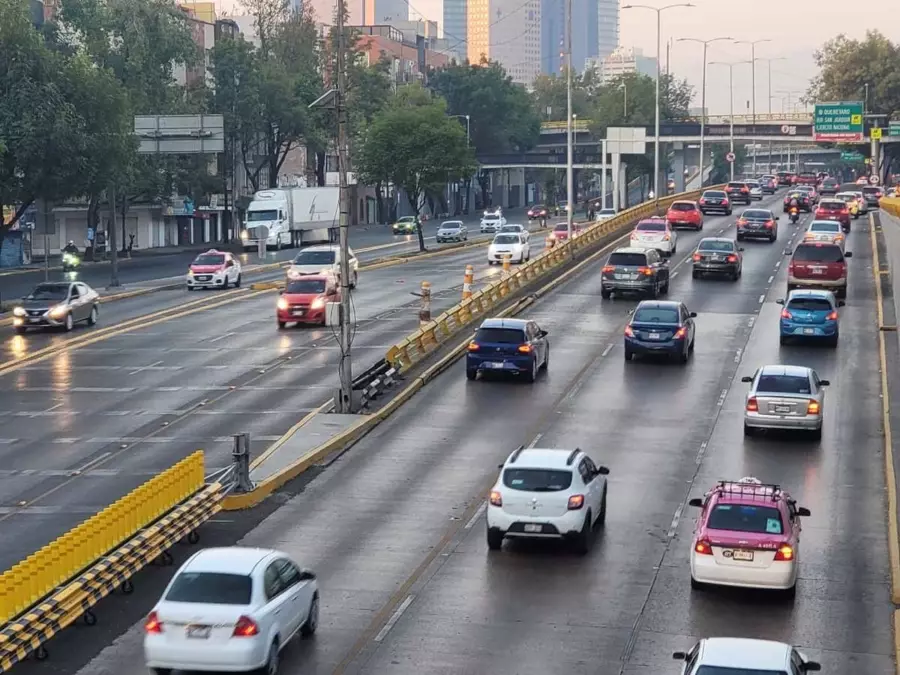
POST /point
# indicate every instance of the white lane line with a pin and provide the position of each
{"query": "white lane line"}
(778, 264)
(674, 526)
(607, 350)
(221, 337)
(478, 514)
(751, 322)
(93, 462)
(762, 299)
(8, 441)
(737, 355)
(142, 368)
(700, 453)
(52, 408)
(673, 275)
(770, 279)
(721, 400)
(395, 617)
(534, 441)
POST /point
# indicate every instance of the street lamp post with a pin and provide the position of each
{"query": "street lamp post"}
(705, 44)
(570, 151)
(769, 79)
(753, 44)
(659, 11)
(731, 96)
(468, 142)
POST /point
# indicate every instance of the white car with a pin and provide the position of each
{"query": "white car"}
(230, 609)
(756, 192)
(452, 230)
(737, 656)
(826, 231)
(605, 214)
(655, 233)
(492, 222)
(516, 229)
(214, 269)
(513, 245)
(323, 260)
(547, 494)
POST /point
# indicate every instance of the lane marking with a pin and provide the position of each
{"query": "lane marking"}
(701, 452)
(722, 397)
(778, 264)
(737, 355)
(673, 275)
(534, 441)
(93, 462)
(762, 299)
(221, 337)
(605, 351)
(770, 279)
(395, 617)
(143, 368)
(675, 519)
(478, 514)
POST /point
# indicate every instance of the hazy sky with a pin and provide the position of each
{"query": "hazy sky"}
(796, 29)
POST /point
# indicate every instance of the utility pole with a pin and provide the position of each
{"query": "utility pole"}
(345, 403)
(570, 169)
(111, 241)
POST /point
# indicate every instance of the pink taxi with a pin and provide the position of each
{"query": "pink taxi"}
(214, 269)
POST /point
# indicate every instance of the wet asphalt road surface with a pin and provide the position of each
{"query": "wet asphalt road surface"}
(144, 268)
(396, 530)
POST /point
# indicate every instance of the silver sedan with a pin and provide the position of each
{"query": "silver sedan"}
(785, 397)
(452, 230)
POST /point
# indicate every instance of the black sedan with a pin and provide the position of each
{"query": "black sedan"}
(719, 256)
(57, 305)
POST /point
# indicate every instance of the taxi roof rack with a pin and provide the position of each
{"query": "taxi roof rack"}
(516, 453)
(767, 491)
(572, 456)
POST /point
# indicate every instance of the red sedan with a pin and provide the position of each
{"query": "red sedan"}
(834, 209)
(304, 299)
(685, 214)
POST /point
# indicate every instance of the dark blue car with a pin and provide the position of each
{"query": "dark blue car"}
(660, 327)
(510, 346)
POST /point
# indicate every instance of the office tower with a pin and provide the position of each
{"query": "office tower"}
(454, 28)
(607, 27)
(553, 26)
(508, 32)
(383, 12)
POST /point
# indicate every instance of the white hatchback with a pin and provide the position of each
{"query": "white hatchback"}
(737, 656)
(230, 609)
(492, 222)
(547, 494)
(324, 259)
(513, 245)
(655, 233)
(515, 228)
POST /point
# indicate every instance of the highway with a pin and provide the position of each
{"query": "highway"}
(395, 527)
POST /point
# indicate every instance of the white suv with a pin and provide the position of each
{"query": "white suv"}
(547, 494)
(743, 655)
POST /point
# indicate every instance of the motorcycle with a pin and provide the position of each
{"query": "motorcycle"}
(795, 214)
(70, 262)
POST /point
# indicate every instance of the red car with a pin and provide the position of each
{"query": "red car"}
(538, 211)
(808, 178)
(561, 233)
(819, 266)
(834, 209)
(685, 214)
(304, 299)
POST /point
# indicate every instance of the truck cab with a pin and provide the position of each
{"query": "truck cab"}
(268, 209)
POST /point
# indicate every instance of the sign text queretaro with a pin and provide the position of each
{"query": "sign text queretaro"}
(839, 122)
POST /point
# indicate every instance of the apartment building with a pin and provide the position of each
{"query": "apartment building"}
(508, 32)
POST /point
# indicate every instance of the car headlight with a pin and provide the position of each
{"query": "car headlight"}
(318, 303)
(19, 311)
(282, 303)
(245, 235)
(59, 311)
(190, 273)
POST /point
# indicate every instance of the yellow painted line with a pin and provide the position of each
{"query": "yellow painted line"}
(125, 327)
(288, 434)
(889, 474)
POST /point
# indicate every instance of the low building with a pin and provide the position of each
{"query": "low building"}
(409, 55)
(624, 61)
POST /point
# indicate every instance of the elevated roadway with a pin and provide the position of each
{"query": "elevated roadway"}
(395, 527)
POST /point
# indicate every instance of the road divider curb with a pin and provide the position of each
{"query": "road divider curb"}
(59, 584)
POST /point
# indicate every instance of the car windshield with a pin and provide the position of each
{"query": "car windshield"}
(305, 286)
(561, 227)
(713, 194)
(537, 480)
(50, 292)
(810, 304)
(825, 227)
(314, 258)
(507, 239)
(261, 216)
(745, 518)
(651, 227)
(753, 183)
(451, 226)
(209, 260)
(736, 185)
(656, 315)
(716, 246)
(783, 384)
(512, 228)
(725, 670)
(491, 219)
(407, 219)
(211, 588)
(804, 188)
(757, 215)
(832, 206)
(504, 336)
(682, 206)
(871, 190)
(823, 254)
(627, 259)
(608, 212)
(844, 196)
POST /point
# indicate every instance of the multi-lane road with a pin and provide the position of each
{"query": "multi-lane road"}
(395, 527)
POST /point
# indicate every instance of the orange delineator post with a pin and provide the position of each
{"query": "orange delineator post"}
(467, 282)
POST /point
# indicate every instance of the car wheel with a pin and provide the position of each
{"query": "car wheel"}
(685, 355)
(748, 430)
(696, 585)
(816, 434)
(605, 294)
(355, 280)
(842, 293)
(665, 287)
(833, 341)
(225, 283)
(654, 292)
(532, 374)
(728, 212)
(312, 620)
(546, 364)
(471, 374)
(740, 237)
(92, 319)
(494, 539)
(281, 325)
(271, 667)
(773, 238)
(20, 330)
(695, 274)
(783, 340)
(735, 275)
(629, 355)
(70, 322)
(237, 282)
(601, 519)
(161, 671)
(190, 288)
(791, 592)
(584, 539)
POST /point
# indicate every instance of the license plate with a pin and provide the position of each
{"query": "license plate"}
(654, 336)
(494, 364)
(198, 632)
(717, 258)
(298, 312)
(809, 331)
(626, 277)
(782, 408)
(742, 555)
(818, 270)
(34, 320)
(534, 528)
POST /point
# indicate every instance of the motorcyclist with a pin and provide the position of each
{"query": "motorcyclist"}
(71, 248)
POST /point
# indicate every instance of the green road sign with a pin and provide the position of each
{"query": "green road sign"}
(839, 122)
(851, 157)
(894, 128)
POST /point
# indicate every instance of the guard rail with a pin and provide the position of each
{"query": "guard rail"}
(891, 205)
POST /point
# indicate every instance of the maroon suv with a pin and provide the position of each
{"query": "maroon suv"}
(819, 265)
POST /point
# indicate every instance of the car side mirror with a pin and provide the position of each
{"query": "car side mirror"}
(779, 301)
(803, 512)
(788, 251)
(679, 656)
(811, 667)
(740, 248)
(841, 303)
(664, 261)
(777, 217)
(693, 315)
(747, 379)
(824, 383)
(543, 333)
(499, 466)
(696, 501)
(848, 254)
(602, 471)
(281, 292)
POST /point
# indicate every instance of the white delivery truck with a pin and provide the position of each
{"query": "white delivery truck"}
(303, 215)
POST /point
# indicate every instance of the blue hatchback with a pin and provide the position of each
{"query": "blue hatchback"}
(510, 346)
(660, 327)
(810, 314)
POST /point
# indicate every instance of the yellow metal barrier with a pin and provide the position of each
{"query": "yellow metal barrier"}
(891, 205)
(40, 573)
(429, 337)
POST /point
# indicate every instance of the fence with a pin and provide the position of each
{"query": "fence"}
(891, 205)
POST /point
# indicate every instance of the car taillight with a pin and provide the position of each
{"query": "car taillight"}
(697, 257)
(609, 268)
(732, 258)
(703, 547)
(812, 408)
(752, 405)
(474, 346)
(725, 201)
(496, 498)
(576, 502)
(680, 333)
(786, 314)
(646, 271)
(525, 349)
(784, 553)
(629, 331)
(153, 624)
(634, 235)
(770, 224)
(245, 627)
(832, 317)
(667, 237)
(702, 201)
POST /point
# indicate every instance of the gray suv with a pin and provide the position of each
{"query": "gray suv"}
(635, 270)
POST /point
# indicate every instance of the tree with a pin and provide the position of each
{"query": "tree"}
(550, 95)
(846, 66)
(721, 167)
(413, 144)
